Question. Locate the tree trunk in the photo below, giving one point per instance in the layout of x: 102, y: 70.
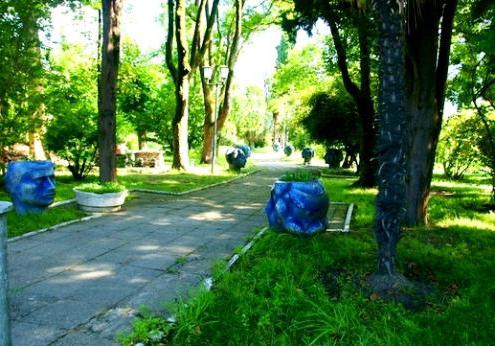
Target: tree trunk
x: 110, y: 57
x: 361, y: 96
x: 427, y: 64
x: 141, y: 136
x: 231, y: 58
x: 390, y: 201
x: 180, y: 127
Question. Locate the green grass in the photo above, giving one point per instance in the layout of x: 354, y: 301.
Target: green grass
x: 101, y: 188
x: 19, y: 224
x: 293, y: 291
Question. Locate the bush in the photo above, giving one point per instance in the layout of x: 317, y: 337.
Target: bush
x: 457, y: 149
x: 71, y: 101
x: 101, y: 188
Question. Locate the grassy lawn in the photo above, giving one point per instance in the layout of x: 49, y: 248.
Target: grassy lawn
x: 19, y: 224
x: 292, y: 291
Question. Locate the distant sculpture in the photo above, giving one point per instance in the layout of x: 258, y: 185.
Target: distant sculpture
x: 276, y: 147
x: 235, y: 158
x: 307, y: 154
x: 246, y: 149
x: 31, y: 185
x: 289, y: 149
x: 333, y: 158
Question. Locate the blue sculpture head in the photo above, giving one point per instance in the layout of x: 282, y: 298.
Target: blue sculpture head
x: 298, y: 207
x: 276, y: 147
x: 235, y: 158
x: 246, y: 149
x: 289, y: 149
x: 31, y: 185
x: 307, y: 154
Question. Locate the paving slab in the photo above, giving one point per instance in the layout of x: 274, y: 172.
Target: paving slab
x: 83, y: 283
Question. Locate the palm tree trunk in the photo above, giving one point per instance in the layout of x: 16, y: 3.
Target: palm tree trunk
x: 390, y: 201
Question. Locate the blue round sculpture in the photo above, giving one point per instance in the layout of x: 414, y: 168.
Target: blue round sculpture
x: 31, y: 185
x: 246, y: 149
x: 333, y: 158
x: 298, y: 207
x: 235, y: 158
x: 307, y: 154
x: 289, y: 149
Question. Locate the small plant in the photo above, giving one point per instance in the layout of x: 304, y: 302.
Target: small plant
x: 301, y: 175
x: 101, y: 188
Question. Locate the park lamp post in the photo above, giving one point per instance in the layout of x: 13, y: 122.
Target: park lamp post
x: 217, y: 83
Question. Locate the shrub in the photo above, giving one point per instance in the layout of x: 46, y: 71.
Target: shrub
x: 457, y: 149
x: 101, y: 188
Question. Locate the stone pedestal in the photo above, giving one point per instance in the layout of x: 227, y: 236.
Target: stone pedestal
x: 4, y: 282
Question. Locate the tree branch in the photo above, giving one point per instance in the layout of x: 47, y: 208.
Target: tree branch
x: 350, y: 86
x: 170, y: 41
x: 444, y: 52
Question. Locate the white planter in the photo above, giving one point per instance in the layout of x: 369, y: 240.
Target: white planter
x: 100, y: 202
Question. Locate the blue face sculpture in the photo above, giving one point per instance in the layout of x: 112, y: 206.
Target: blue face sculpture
x: 31, y: 185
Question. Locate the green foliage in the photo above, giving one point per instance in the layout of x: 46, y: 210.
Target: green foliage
x: 71, y: 101
x: 333, y: 120
x: 300, y: 76
x: 146, y: 98
x: 292, y: 291
x: 20, y: 68
x: 250, y: 117
x: 457, y: 149
x: 109, y: 187
x: 301, y: 175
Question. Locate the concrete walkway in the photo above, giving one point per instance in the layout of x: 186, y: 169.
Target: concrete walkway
x: 81, y: 284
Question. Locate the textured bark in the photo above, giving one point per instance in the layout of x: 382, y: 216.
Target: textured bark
x: 110, y: 57
x: 188, y: 59
x: 181, y: 118
x: 390, y: 201
x: 427, y: 65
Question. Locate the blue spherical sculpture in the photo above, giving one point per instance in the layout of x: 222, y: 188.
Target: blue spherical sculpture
x: 276, y: 147
x: 307, y: 154
x: 289, y: 149
x: 245, y: 149
x: 235, y: 158
x: 298, y: 207
x: 31, y: 185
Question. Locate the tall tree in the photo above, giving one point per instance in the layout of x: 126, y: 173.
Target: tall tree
x: 233, y: 30
x: 343, y: 17
x: 474, y: 84
x: 390, y: 201
x: 107, y: 90
x: 428, y: 41
x: 188, y: 59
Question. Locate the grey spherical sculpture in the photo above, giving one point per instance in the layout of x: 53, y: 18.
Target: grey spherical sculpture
x: 235, y: 158
x: 298, y: 207
x: 307, y: 154
x: 276, y: 147
x: 333, y: 158
x: 246, y: 149
x: 289, y: 149
x: 31, y: 185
